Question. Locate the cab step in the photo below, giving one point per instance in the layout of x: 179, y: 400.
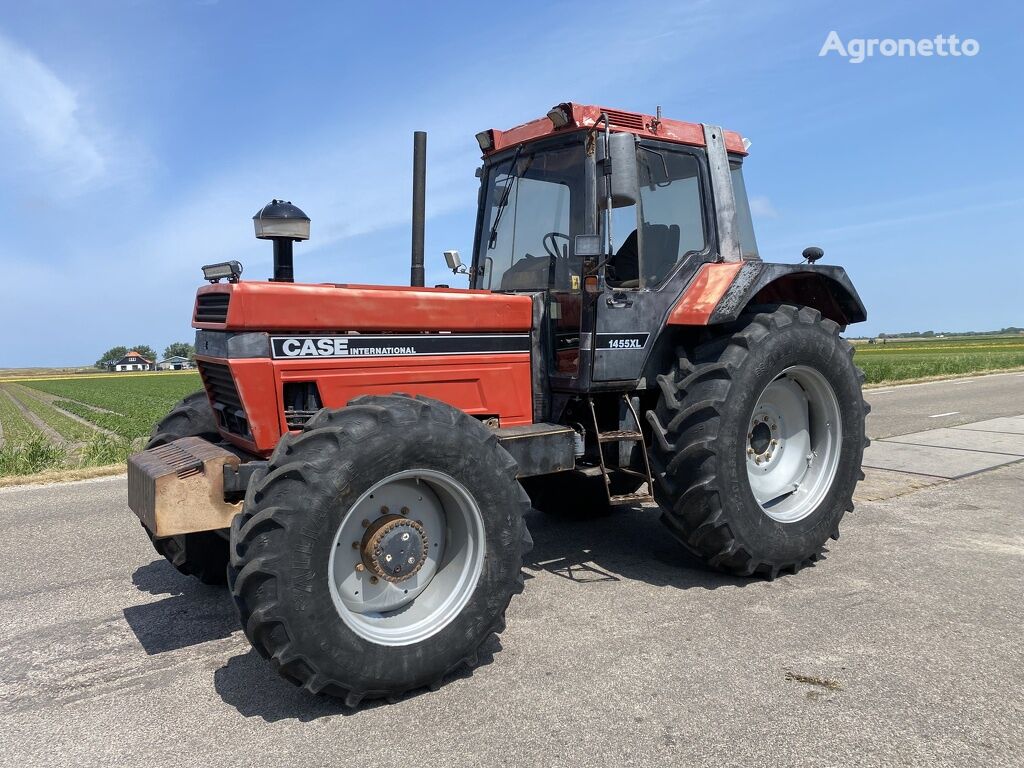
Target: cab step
x: 644, y: 481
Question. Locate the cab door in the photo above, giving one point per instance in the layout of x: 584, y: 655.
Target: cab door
x: 658, y: 243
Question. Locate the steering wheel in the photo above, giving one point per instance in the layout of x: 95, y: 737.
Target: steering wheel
x: 550, y: 242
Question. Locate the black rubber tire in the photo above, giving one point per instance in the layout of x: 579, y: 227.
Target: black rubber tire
x: 280, y: 544
x: 698, y: 444
x: 204, y: 554
x: 191, y: 417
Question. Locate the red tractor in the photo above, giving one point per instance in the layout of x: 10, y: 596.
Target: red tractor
x: 361, y: 458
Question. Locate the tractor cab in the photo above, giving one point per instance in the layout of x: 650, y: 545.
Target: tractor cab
x: 611, y: 214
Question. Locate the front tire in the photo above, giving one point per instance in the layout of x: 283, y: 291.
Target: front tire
x: 778, y: 394
x: 381, y: 548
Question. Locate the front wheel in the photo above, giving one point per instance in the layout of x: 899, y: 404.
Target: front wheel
x: 381, y: 548
x: 204, y: 554
x: 757, y: 442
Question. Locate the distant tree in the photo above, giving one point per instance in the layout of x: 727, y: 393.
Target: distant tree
x: 112, y: 355
x: 180, y: 349
x: 146, y: 351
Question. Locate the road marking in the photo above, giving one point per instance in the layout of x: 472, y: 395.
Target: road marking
x: 937, y: 415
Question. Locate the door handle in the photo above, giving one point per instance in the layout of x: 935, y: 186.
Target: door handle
x: 619, y: 301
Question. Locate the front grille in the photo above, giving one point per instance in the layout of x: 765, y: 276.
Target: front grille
x: 212, y: 307
x: 227, y: 405
x: 625, y: 119
x: 301, y: 403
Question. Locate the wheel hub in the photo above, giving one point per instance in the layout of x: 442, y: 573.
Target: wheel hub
x: 394, y: 548
x: 764, y: 437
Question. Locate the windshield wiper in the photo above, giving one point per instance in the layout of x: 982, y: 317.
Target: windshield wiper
x: 492, y: 238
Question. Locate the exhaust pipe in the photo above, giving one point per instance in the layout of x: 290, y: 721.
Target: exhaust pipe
x: 419, y: 193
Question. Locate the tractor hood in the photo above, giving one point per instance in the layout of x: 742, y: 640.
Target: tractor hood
x: 271, y: 306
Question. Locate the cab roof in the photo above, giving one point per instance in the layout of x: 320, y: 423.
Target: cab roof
x: 586, y: 117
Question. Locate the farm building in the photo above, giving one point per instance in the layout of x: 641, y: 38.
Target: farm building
x: 132, y: 361
x: 175, y: 363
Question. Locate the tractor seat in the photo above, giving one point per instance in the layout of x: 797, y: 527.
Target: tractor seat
x: 624, y: 266
x: 661, y: 251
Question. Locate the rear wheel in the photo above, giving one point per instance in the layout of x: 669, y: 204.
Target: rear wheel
x: 203, y: 554
x: 757, y: 442
x: 381, y: 548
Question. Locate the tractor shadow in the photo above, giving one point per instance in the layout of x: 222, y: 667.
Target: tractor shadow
x: 248, y: 683
x: 192, y: 614
x: 628, y: 544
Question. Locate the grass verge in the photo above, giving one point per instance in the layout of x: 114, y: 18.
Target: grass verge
x: 61, y: 476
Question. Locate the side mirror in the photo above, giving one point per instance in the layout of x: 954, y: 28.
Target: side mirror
x: 453, y: 260
x: 624, y: 181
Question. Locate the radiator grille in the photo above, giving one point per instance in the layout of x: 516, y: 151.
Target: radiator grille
x: 212, y: 307
x: 227, y: 405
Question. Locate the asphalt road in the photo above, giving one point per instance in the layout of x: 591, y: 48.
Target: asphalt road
x: 915, y: 407
x: 902, y: 647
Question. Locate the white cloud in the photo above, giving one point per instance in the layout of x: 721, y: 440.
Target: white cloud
x: 762, y: 208
x: 40, y: 121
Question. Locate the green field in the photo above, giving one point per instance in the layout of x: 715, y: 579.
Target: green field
x: 82, y: 421
x: 99, y: 419
x: 902, y: 360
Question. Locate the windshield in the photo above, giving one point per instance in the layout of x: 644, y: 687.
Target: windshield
x: 533, y: 209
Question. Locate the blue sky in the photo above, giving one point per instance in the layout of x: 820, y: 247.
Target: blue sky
x: 138, y: 138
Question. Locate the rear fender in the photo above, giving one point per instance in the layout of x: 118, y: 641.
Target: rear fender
x: 719, y: 293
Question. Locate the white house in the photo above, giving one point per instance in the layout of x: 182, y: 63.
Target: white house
x: 133, y: 361
x: 175, y: 363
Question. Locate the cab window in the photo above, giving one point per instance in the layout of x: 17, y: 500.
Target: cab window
x: 666, y: 226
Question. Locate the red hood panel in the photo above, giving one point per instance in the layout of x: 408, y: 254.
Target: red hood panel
x: 369, y: 308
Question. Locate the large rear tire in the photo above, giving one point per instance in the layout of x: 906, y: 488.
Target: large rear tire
x: 757, y: 442
x: 381, y: 548
x: 203, y: 555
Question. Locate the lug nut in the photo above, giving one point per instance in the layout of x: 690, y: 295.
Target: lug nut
x: 360, y: 567
x: 405, y: 510
x: 355, y: 545
x: 383, y: 510
x: 374, y: 579
x: 366, y: 523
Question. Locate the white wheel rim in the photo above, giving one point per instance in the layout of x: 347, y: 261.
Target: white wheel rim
x: 792, y: 444
x: 420, y: 605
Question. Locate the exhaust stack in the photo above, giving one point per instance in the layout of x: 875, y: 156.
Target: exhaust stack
x: 419, y: 192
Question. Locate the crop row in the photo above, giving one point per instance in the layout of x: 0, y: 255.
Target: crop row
x: 16, y: 427
x: 904, y: 364
x: 69, y: 429
x: 151, y: 396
